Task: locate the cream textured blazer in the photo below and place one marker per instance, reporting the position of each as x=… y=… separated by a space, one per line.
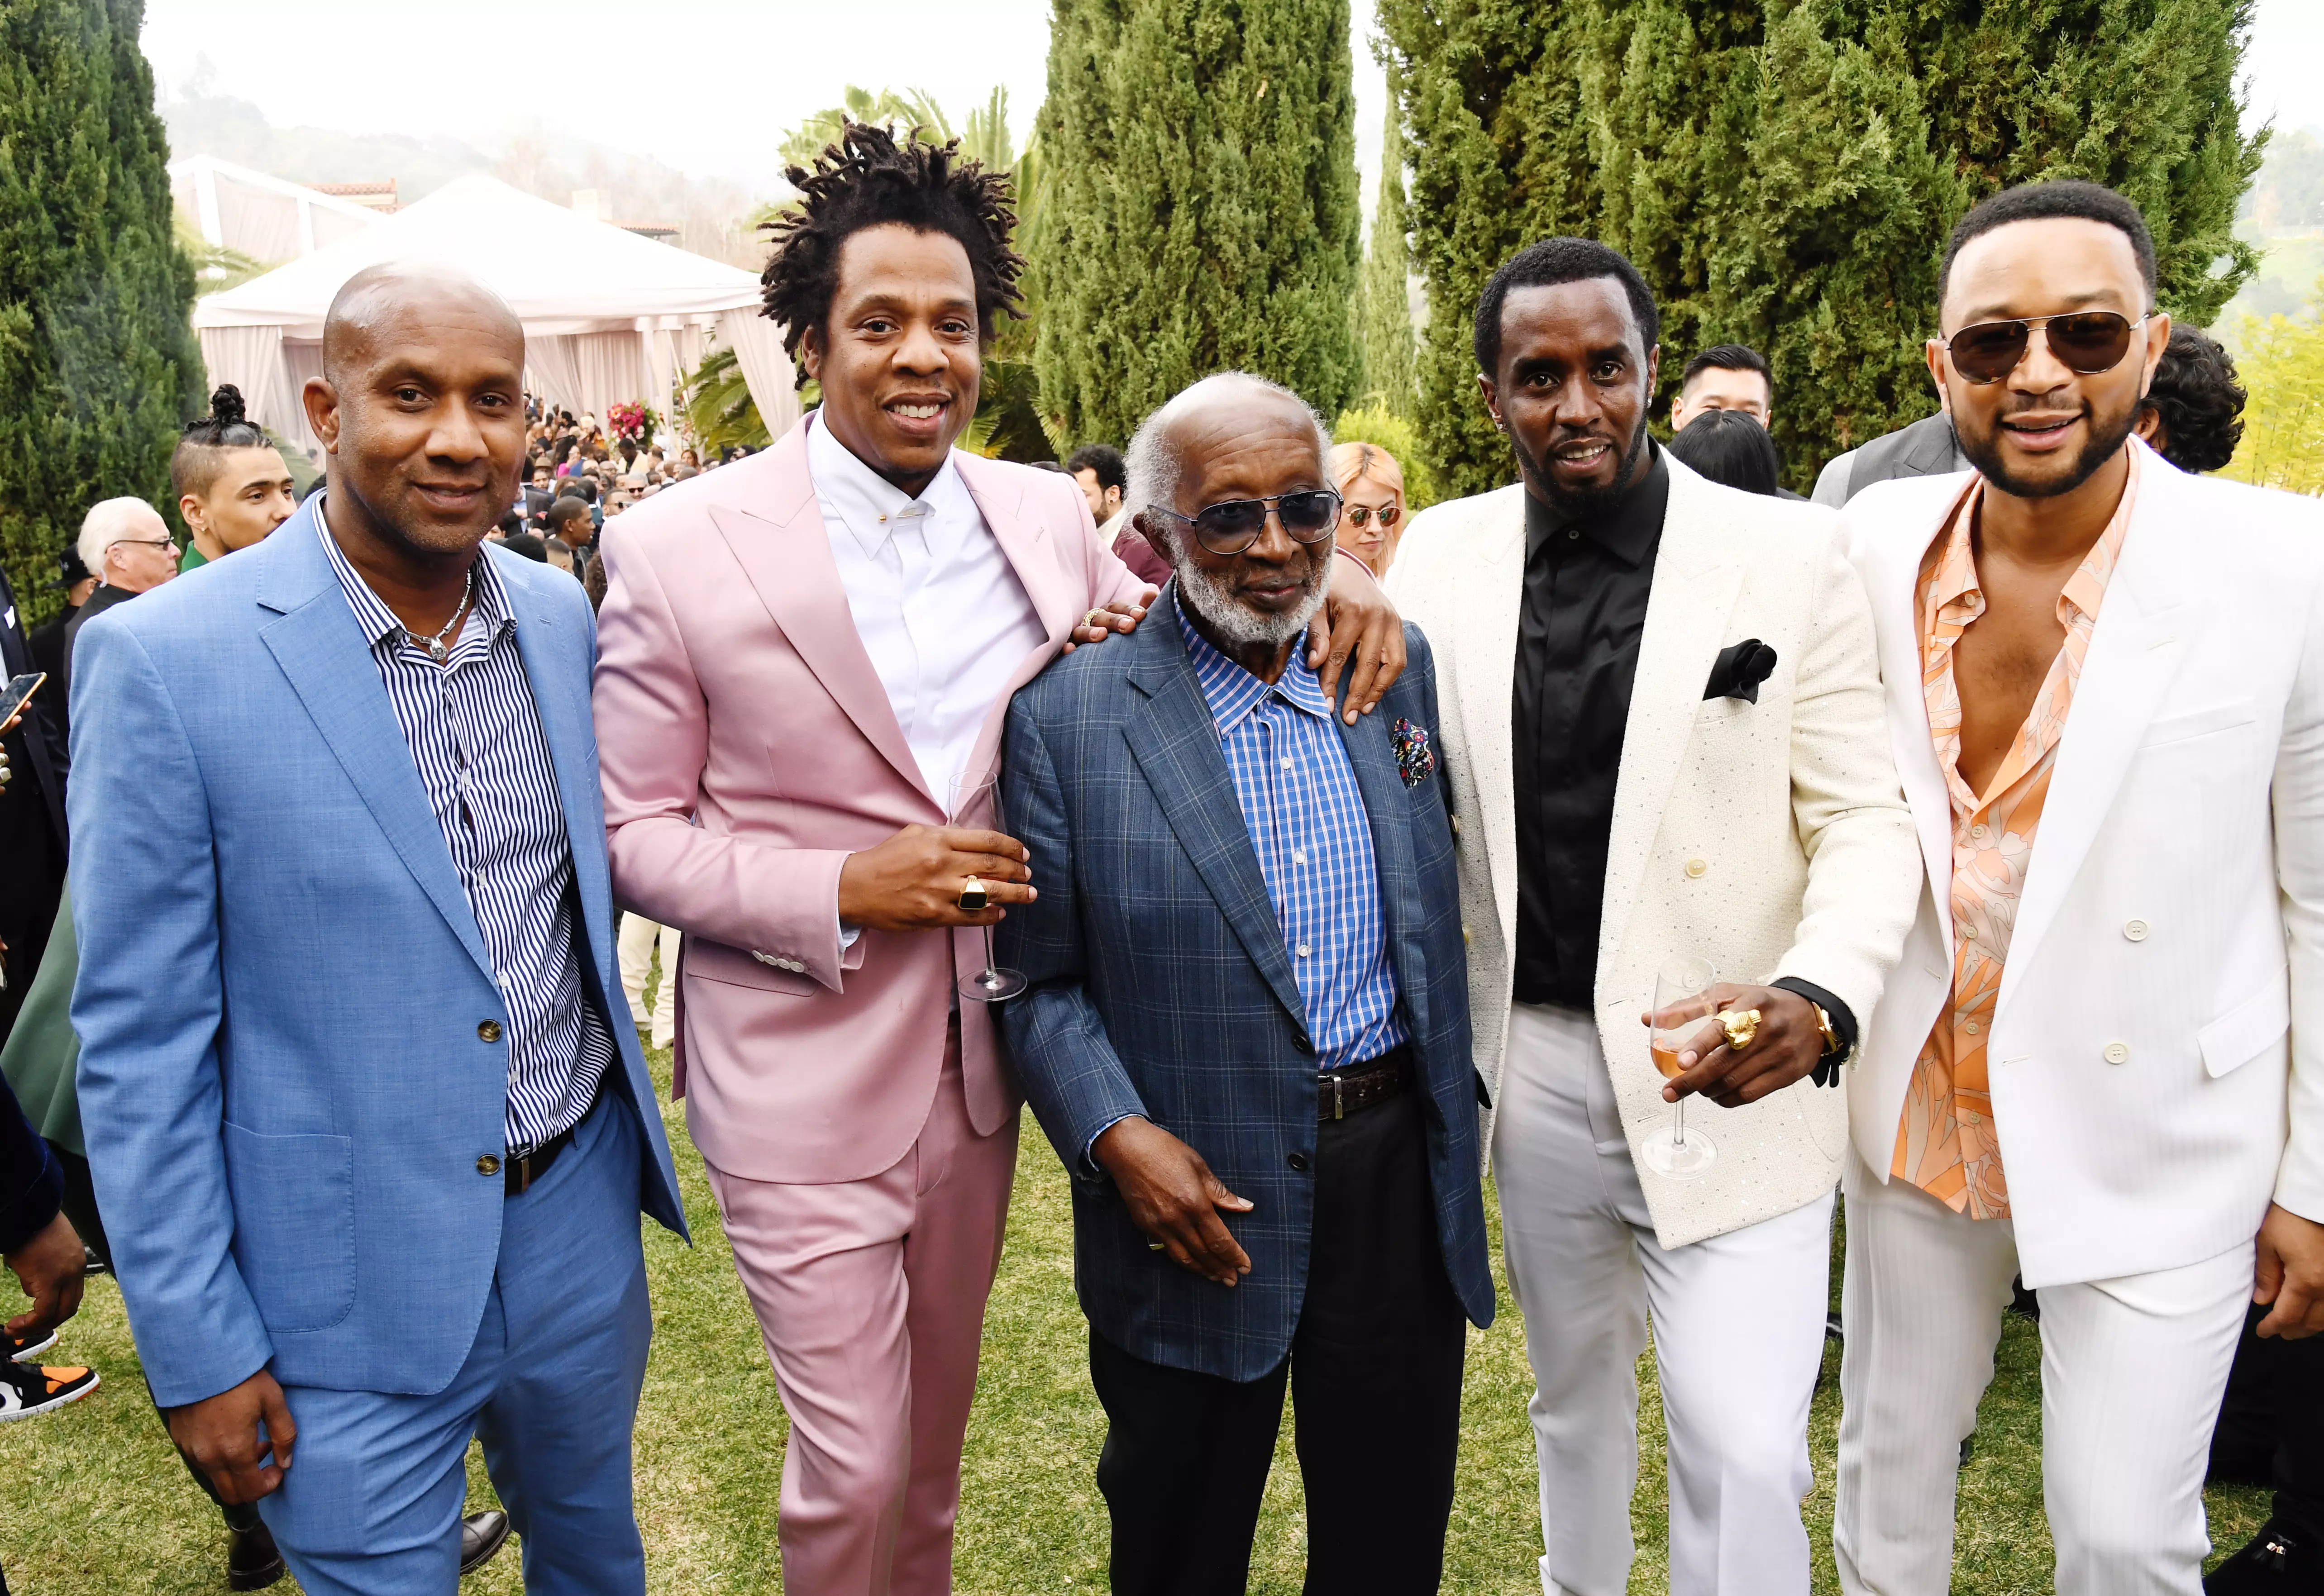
x=1770 y=837
x=2170 y=934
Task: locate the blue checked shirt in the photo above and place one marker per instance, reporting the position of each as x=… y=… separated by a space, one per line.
x=1314 y=838
x=475 y=734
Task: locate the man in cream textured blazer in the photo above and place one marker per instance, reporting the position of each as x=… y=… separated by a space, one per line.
x=1662 y=723
x=2096 y=1064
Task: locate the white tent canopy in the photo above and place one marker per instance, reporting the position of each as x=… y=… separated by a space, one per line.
x=609 y=318
x=262 y=217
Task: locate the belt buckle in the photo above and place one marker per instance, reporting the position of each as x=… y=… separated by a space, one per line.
x=1339 y=1093
x=524 y=1174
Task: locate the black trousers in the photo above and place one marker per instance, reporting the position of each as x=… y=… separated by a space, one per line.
x=2271 y=1423
x=1375 y=1380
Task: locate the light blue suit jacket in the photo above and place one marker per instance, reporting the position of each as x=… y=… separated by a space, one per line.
x=283 y=994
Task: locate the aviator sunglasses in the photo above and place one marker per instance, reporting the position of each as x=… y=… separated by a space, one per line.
x=2086 y=342
x=1233 y=526
x=1361 y=515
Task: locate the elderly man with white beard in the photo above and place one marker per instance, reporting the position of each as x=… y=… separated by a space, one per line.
x=1247 y=1032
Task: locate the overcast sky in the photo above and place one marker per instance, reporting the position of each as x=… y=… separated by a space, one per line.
x=708 y=86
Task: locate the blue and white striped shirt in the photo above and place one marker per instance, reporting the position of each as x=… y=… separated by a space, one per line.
x=475 y=734
x=1314 y=838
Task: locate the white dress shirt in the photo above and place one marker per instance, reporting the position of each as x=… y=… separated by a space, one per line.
x=935 y=599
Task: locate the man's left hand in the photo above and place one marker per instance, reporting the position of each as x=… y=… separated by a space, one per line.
x=1786 y=1049
x=1117 y=616
x=1358 y=625
x=49 y=1269
x=2291 y=1274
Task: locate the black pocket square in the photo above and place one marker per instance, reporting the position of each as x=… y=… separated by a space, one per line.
x=1739 y=670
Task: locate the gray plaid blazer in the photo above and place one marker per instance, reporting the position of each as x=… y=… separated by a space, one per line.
x=1160 y=986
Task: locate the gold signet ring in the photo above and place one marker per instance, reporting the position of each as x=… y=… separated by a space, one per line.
x=1742 y=1026
x=972 y=899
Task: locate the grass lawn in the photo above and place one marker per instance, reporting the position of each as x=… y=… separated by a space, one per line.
x=99 y=1503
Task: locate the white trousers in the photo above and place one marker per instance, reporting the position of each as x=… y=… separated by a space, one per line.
x=2132 y=1373
x=1738 y=1323
x=636 y=951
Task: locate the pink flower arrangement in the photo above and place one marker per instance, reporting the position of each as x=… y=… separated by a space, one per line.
x=631 y=420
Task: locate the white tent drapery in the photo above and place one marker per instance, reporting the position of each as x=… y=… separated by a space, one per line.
x=594 y=301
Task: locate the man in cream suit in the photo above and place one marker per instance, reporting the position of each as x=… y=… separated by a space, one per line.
x=1688 y=758
x=807 y=660
x=2095 y=1065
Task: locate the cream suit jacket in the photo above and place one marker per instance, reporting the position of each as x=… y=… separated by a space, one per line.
x=2154 y=1063
x=1769 y=837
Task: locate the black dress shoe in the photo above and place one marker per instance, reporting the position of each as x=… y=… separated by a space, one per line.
x=2277 y=1563
x=481 y=1535
x=251 y=1561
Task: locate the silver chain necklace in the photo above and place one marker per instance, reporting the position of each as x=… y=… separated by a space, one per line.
x=437 y=649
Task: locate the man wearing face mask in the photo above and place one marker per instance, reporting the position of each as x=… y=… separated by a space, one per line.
x=1668 y=741
x=2105 y=689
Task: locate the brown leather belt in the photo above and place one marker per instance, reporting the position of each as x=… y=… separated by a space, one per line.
x=1343 y=1091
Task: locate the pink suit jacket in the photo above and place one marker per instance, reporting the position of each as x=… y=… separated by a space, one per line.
x=748 y=748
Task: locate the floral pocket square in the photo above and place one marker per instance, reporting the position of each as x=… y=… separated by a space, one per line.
x=1416 y=761
x=1739 y=670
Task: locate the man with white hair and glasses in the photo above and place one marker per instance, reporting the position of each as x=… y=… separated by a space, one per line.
x=127 y=546
x=1247 y=1032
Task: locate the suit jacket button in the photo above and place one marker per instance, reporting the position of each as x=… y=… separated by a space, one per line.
x=2135 y=930
x=490 y=1031
x=2117 y=1052
x=1299 y=1162
x=1301 y=1045
x=488 y=1165
x=1696 y=869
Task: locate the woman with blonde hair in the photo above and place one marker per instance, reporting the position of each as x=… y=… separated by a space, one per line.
x=1371 y=483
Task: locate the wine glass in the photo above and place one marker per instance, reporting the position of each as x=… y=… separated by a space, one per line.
x=976 y=802
x=1683 y=1003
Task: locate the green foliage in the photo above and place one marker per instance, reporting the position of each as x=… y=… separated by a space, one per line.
x=1784 y=174
x=1375 y=423
x=915 y=109
x=98 y=364
x=1384 y=340
x=716 y=407
x=1008 y=424
x=2281 y=361
x=1201 y=210
x=216 y=267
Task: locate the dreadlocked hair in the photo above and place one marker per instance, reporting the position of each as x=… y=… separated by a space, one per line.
x=195 y=463
x=869 y=179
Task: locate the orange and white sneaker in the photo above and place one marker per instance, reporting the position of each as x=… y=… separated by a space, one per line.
x=27 y=1388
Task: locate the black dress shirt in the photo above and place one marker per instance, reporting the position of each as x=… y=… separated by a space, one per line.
x=1587 y=579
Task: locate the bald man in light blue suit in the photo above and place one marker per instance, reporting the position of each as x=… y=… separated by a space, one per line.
x=366 y=1110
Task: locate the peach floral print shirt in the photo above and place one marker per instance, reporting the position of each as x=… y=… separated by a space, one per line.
x=1946 y=1143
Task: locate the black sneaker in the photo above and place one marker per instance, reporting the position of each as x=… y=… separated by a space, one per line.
x=2276 y=1563
x=21 y=1348
x=27 y=1388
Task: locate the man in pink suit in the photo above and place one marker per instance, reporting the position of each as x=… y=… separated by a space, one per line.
x=805 y=663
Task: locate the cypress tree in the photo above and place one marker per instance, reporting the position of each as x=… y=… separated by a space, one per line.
x=1784 y=175
x=1384 y=304
x=1200 y=209
x=99 y=363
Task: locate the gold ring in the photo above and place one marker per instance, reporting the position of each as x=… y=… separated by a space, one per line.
x=1742 y=1026
x=1096 y=619
x=972 y=899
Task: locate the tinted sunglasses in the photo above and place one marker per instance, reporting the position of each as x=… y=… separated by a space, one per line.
x=2086 y=342
x=1233 y=526
x=1360 y=515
